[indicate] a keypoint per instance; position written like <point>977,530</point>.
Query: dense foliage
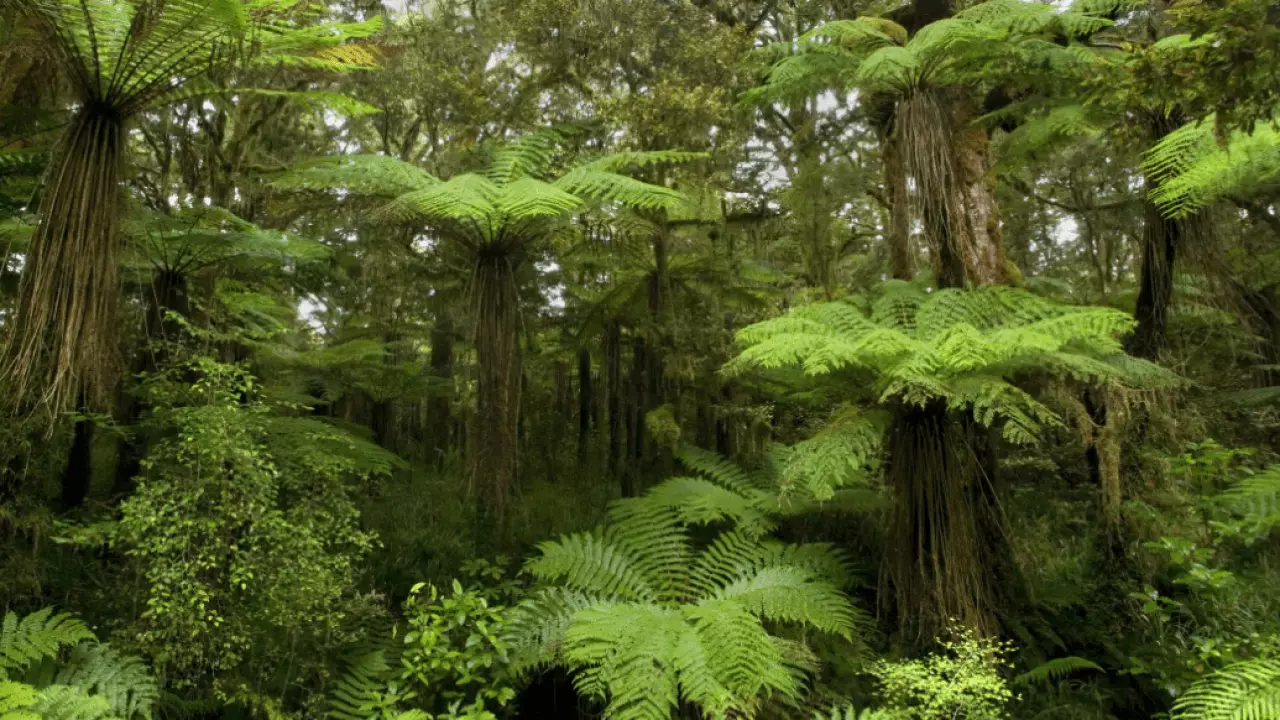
<point>723,359</point>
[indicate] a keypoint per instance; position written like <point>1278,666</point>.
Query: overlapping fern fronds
<point>645,618</point>
<point>94,681</point>
<point>967,348</point>
<point>999,37</point>
<point>1195,169</point>
<point>1248,690</point>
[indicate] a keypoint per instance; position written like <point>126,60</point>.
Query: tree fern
<point>1245,691</point>
<point>966,348</point>
<point>645,618</point>
<point>122,59</point>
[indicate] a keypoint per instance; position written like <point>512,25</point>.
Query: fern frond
<point>361,691</point>
<point>124,681</point>
<point>39,635</point>
<point>1245,691</point>
<point>1055,669</point>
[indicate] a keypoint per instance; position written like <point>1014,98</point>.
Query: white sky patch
<point>309,310</point>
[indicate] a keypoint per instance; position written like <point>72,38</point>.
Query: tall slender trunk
<point>493,462</point>
<point>1161,239</point>
<point>584,401</point>
<point>442,336</point>
<point>63,340</point>
<point>613,383</point>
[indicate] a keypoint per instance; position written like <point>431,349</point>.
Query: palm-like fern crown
<point>198,237</point>
<point>517,197</point>
<point>92,681</point>
<point>127,55</point>
<point>645,617</point>
<point>966,348</point>
<point>990,40</point>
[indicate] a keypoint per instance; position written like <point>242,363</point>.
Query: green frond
<point>528,156</point>
<point>968,348</point>
<point>377,175</point>
<point>68,702</point>
<point>536,627</point>
<point>792,595</point>
<point>836,456</point>
<point>39,635</point>
<point>1055,669</point>
<point>123,681</point>
<point>620,161</point>
<point>589,563</point>
<point>721,470</point>
<point>627,655</point>
<point>611,187</point>
<point>361,692</point>
<point>1245,691</point>
<point>645,620</point>
<point>698,501</point>
<point>1193,170</point>
<point>1257,494</point>
<point>527,198</point>
<point>468,198</point>
<point>17,700</point>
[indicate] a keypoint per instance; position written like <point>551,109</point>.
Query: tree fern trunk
<point>613,382</point>
<point>584,402</point>
<point>945,528</point>
<point>438,430</point>
<point>493,462</point>
<point>63,339</point>
<point>1161,239</point>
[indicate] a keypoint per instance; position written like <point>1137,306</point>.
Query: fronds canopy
<point>876,55</point>
<point>967,348</point>
<point>132,55</point>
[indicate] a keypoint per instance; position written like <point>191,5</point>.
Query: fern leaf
<point>1055,669</point>
<point>37,636</point>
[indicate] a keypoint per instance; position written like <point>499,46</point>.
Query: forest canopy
<point>640,359</point>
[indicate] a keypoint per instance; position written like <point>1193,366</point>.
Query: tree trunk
<point>613,381</point>
<point>584,401</point>
<point>438,400</point>
<point>901,262</point>
<point>493,462</point>
<point>63,339</point>
<point>946,527</point>
<point>78,474</point>
<point>1161,239</point>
